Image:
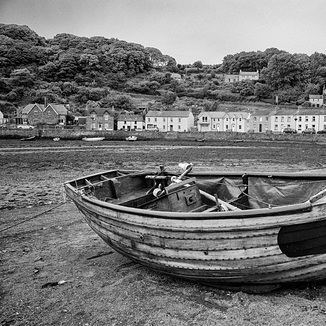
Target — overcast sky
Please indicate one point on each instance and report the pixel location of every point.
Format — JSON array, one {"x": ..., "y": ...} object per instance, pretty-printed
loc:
[{"x": 188, "y": 30}]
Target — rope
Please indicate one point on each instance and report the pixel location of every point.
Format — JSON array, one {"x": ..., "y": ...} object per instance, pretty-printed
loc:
[
  {"x": 33, "y": 217},
  {"x": 40, "y": 214}
]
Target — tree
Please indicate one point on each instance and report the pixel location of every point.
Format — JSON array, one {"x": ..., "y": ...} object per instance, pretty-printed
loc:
[
  {"x": 198, "y": 64},
  {"x": 168, "y": 97}
]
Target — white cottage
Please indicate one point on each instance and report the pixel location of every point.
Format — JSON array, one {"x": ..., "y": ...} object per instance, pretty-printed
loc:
[{"x": 169, "y": 120}]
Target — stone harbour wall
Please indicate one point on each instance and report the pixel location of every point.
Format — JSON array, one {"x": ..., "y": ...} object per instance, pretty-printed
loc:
[{"x": 74, "y": 134}]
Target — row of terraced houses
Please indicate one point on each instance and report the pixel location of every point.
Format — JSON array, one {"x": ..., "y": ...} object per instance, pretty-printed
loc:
[{"x": 181, "y": 121}]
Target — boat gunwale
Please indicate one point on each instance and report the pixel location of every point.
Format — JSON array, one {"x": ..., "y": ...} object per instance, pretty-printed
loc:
[{"x": 251, "y": 213}]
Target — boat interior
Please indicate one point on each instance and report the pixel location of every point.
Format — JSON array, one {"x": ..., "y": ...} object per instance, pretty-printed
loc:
[{"x": 200, "y": 192}]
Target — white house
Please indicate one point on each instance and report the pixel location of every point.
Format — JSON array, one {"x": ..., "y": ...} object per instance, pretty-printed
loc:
[
  {"x": 169, "y": 120},
  {"x": 236, "y": 121},
  {"x": 310, "y": 118},
  {"x": 1, "y": 118},
  {"x": 316, "y": 100},
  {"x": 210, "y": 121},
  {"x": 283, "y": 118},
  {"x": 248, "y": 75},
  {"x": 130, "y": 121}
]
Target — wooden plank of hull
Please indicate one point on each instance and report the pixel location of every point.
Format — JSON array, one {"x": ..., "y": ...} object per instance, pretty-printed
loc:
[
  {"x": 296, "y": 272},
  {"x": 255, "y": 258},
  {"x": 239, "y": 268}
]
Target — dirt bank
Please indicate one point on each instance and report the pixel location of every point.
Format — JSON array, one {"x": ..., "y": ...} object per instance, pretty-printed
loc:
[{"x": 56, "y": 271}]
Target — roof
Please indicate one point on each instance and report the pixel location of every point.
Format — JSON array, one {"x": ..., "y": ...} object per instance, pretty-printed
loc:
[
  {"x": 130, "y": 117},
  {"x": 311, "y": 111},
  {"x": 263, "y": 113},
  {"x": 59, "y": 108},
  {"x": 315, "y": 97},
  {"x": 212, "y": 114},
  {"x": 238, "y": 114},
  {"x": 168, "y": 114},
  {"x": 100, "y": 111},
  {"x": 249, "y": 72},
  {"x": 29, "y": 107}
]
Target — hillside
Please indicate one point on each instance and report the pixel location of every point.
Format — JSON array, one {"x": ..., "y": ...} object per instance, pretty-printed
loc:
[{"x": 97, "y": 71}]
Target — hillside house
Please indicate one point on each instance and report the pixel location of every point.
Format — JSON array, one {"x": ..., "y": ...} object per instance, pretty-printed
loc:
[
  {"x": 130, "y": 121},
  {"x": 243, "y": 75},
  {"x": 231, "y": 78},
  {"x": 316, "y": 100},
  {"x": 170, "y": 120},
  {"x": 210, "y": 121},
  {"x": 52, "y": 114},
  {"x": 248, "y": 75},
  {"x": 99, "y": 119}
]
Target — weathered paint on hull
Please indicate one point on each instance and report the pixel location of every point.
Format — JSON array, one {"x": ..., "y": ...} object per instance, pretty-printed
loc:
[{"x": 212, "y": 251}]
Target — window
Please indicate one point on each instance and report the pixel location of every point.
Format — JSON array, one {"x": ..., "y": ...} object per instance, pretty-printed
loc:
[
  {"x": 204, "y": 119},
  {"x": 106, "y": 116},
  {"x": 300, "y": 119},
  {"x": 240, "y": 127},
  {"x": 163, "y": 126},
  {"x": 306, "y": 118},
  {"x": 288, "y": 119},
  {"x": 163, "y": 119},
  {"x": 282, "y": 119},
  {"x": 179, "y": 119},
  {"x": 149, "y": 119},
  {"x": 266, "y": 118},
  {"x": 179, "y": 127},
  {"x": 313, "y": 119},
  {"x": 276, "y": 127},
  {"x": 276, "y": 119},
  {"x": 171, "y": 119},
  {"x": 155, "y": 119}
]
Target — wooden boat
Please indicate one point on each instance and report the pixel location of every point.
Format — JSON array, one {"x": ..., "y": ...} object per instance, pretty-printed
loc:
[
  {"x": 28, "y": 138},
  {"x": 131, "y": 138},
  {"x": 93, "y": 138},
  {"x": 235, "y": 229}
]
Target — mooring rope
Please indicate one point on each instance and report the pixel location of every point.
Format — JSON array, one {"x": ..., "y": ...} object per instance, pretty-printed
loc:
[{"x": 33, "y": 217}]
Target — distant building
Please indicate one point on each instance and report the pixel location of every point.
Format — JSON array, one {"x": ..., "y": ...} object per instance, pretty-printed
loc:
[
  {"x": 231, "y": 78},
  {"x": 260, "y": 121},
  {"x": 243, "y": 75},
  {"x": 39, "y": 113},
  {"x": 310, "y": 118},
  {"x": 283, "y": 118},
  {"x": 1, "y": 118},
  {"x": 210, "y": 121},
  {"x": 130, "y": 121},
  {"x": 248, "y": 75},
  {"x": 316, "y": 100},
  {"x": 236, "y": 121},
  {"x": 99, "y": 119},
  {"x": 170, "y": 120}
]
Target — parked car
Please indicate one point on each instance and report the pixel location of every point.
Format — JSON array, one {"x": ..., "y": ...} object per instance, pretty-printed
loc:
[
  {"x": 25, "y": 127},
  {"x": 309, "y": 131},
  {"x": 289, "y": 131},
  {"x": 321, "y": 131}
]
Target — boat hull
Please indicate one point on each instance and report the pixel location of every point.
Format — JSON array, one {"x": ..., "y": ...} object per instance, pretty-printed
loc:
[
  {"x": 93, "y": 138},
  {"x": 258, "y": 247}
]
